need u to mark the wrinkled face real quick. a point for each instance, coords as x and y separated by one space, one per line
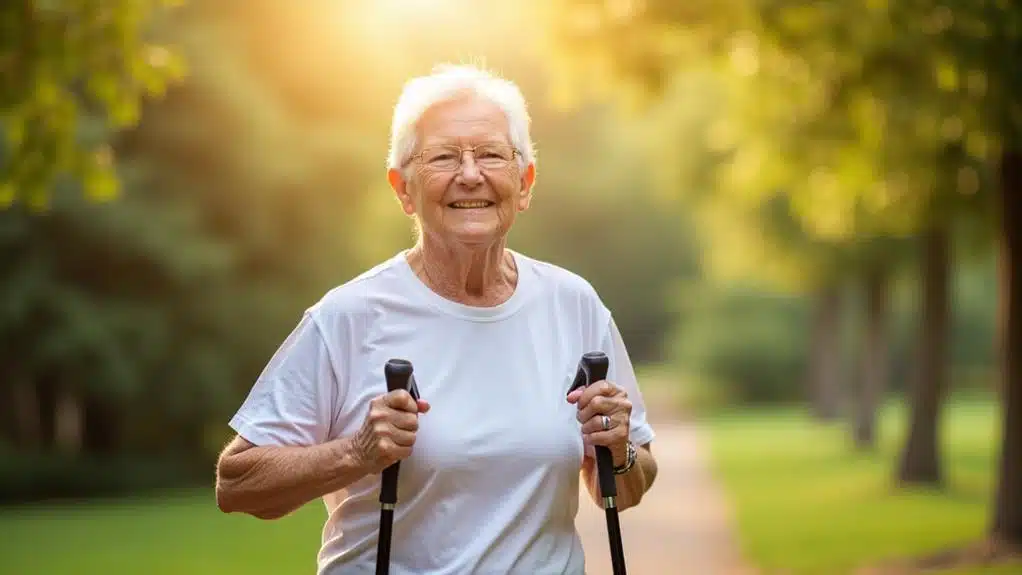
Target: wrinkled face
474 203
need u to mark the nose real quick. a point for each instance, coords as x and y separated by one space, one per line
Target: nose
469 174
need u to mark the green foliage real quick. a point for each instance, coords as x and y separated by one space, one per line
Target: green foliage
73 70
741 342
47 477
745 341
874 117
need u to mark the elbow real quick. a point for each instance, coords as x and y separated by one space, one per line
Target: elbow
228 502
225 500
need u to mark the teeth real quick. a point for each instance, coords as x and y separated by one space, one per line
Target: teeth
471 204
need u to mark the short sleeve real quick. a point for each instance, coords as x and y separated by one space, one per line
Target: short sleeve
622 373
292 401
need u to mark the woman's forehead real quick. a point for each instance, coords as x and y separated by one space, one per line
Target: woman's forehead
465 119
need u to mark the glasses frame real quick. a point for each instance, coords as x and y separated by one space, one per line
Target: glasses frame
417 157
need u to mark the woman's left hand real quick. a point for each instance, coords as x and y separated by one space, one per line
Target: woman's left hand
605 412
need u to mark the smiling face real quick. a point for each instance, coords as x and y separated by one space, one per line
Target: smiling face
473 204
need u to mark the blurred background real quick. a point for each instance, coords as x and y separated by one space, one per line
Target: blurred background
805 217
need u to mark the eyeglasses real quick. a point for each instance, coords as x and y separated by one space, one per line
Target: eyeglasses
449 158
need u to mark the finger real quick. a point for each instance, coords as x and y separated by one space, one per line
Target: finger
602 388
402 438
603 405
401 400
404 421
595 423
614 437
391 450
574 395
423 406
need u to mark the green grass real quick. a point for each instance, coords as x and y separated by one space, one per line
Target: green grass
175 534
805 501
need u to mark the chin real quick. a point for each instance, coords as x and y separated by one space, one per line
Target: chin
476 235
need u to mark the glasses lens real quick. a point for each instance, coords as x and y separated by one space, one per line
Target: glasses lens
493 155
442 157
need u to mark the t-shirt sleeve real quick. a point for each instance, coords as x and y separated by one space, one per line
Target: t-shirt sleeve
292 401
622 374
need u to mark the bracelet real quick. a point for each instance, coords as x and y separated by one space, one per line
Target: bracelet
630 458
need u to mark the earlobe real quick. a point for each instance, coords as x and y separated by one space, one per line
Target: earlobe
524 199
525 195
400 187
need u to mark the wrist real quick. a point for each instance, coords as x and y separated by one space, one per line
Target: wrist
619 454
625 465
350 457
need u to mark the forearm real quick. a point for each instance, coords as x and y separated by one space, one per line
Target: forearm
631 486
270 482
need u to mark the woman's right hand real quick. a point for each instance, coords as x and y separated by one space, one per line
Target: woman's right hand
388 432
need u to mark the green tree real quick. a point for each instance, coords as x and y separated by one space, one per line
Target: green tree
902 107
70 73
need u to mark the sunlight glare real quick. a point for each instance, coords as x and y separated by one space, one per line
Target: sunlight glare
383 14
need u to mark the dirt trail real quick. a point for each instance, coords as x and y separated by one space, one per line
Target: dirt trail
683 525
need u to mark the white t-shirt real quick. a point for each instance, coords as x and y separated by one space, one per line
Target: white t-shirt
492 485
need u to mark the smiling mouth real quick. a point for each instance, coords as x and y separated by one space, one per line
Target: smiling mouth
470 204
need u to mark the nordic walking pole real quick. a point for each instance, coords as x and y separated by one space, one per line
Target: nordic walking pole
593 367
398 373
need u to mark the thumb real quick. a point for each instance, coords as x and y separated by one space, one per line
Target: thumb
423 405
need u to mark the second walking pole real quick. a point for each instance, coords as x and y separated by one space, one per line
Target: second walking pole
593 367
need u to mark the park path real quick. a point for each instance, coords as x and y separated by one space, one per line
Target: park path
682 526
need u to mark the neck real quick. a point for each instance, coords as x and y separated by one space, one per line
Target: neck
475 275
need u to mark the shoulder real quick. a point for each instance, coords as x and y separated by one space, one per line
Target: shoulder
557 281
349 301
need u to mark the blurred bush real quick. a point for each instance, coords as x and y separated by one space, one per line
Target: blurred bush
32 477
747 343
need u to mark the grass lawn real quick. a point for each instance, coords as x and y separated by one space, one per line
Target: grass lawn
806 502
175 534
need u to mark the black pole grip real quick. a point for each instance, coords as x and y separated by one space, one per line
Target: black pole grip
398 373
593 367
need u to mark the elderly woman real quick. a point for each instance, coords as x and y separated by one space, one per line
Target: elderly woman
493 451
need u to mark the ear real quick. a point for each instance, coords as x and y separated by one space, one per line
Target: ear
400 186
528 179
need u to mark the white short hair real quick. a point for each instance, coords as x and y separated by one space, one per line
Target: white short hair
444 83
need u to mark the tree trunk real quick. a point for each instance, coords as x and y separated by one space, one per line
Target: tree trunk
874 370
67 430
920 459
1007 522
101 427
825 355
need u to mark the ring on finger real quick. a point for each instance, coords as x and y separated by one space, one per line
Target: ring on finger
606 422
